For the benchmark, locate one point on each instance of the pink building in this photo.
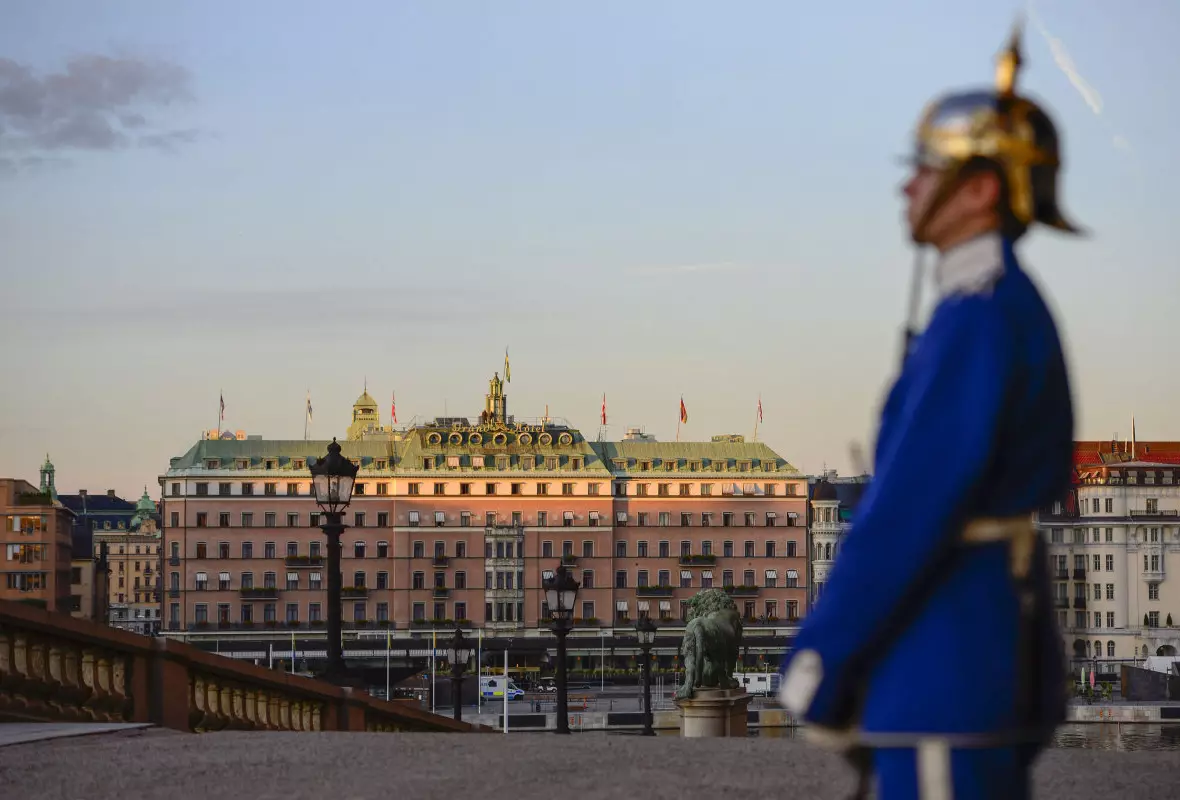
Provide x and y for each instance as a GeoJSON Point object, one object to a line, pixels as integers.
{"type": "Point", "coordinates": [459, 520]}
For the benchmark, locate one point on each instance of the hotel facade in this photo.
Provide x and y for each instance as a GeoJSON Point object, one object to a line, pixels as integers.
{"type": "Point", "coordinates": [457, 522]}
{"type": "Point", "coordinates": [1111, 542]}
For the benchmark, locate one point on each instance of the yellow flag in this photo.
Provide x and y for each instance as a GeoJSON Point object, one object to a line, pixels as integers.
{"type": "Point", "coordinates": [507, 369]}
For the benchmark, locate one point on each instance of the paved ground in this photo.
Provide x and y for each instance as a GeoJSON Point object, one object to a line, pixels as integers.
{"type": "Point", "coordinates": [24, 732]}
{"type": "Point", "coordinates": [293, 766]}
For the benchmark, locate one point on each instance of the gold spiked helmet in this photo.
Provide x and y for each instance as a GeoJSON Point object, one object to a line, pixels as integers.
{"type": "Point", "coordinates": [1004, 128]}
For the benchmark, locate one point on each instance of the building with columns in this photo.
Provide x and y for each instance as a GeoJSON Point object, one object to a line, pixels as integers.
{"type": "Point", "coordinates": [460, 519]}
{"type": "Point", "coordinates": [1110, 543]}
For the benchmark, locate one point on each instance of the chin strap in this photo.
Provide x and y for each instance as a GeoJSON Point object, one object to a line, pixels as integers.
{"type": "Point", "coordinates": [911, 326]}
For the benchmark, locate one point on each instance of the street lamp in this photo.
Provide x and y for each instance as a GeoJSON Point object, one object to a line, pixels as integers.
{"type": "Point", "coordinates": [458, 653]}
{"type": "Point", "coordinates": [645, 629]}
{"type": "Point", "coordinates": [561, 590]}
{"type": "Point", "coordinates": [331, 484]}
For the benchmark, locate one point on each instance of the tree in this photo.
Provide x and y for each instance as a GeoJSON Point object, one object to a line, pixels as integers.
{"type": "Point", "coordinates": [1169, 620]}
{"type": "Point", "coordinates": [1145, 622]}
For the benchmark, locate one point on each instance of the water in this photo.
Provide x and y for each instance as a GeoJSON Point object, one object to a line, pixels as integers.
{"type": "Point", "coordinates": [1112, 736]}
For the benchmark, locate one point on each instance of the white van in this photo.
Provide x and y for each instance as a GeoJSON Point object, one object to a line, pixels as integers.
{"type": "Point", "coordinates": [759, 683]}
{"type": "Point", "coordinates": [492, 687]}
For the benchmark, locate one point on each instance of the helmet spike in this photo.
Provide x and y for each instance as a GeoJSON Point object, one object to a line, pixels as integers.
{"type": "Point", "coordinates": [1009, 62]}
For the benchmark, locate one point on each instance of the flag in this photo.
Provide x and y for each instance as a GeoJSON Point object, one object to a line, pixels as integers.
{"type": "Point", "coordinates": [604, 409]}
{"type": "Point", "coordinates": [393, 406]}
{"type": "Point", "coordinates": [683, 411]}
{"type": "Point", "coordinates": [507, 369]}
{"type": "Point", "coordinates": [759, 408]}
{"type": "Point", "coordinates": [222, 406]}
{"type": "Point", "coordinates": [309, 417]}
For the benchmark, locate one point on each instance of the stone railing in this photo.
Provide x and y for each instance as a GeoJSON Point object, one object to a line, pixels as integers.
{"type": "Point", "coordinates": [54, 667]}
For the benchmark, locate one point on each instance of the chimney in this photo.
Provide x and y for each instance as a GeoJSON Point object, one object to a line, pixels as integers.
{"type": "Point", "coordinates": [110, 492]}
{"type": "Point", "coordinates": [81, 492]}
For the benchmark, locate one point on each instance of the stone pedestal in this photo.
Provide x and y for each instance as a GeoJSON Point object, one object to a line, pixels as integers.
{"type": "Point", "coordinates": [714, 712]}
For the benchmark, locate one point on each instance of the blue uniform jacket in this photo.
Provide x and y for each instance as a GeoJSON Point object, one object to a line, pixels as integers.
{"type": "Point", "coordinates": [978, 424]}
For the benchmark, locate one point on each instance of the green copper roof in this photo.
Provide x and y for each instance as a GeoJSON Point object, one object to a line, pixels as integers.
{"type": "Point", "coordinates": [682, 455]}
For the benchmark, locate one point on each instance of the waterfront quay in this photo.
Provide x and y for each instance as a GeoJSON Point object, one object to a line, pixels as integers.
{"type": "Point", "coordinates": [292, 766]}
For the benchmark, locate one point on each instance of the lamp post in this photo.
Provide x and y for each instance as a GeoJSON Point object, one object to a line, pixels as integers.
{"type": "Point", "coordinates": [561, 591]}
{"type": "Point", "coordinates": [458, 653]}
{"type": "Point", "coordinates": [645, 630]}
{"type": "Point", "coordinates": [331, 483]}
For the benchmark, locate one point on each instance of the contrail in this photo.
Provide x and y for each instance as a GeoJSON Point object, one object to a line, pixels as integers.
{"type": "Point", "coordinates": [1065, 63]}
{"type": "Point", "coordinates": [1090, 95]}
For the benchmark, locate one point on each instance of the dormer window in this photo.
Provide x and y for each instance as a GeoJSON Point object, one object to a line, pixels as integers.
{"type": "Point", "coordinates": [744, 466]}
{"type": "Point", "coordinates": [645, 465]}
{"type": "Point", "coordinates": [551, 462]}
{"type": "Point", "coordinates": [1149, 478]}
{"type": "Point", "coordinates": [381, 463]}
{"type": "Point", "coordinates": [243, 463]}
{"type": "Point", "coordinates": [271, 463]}
{"type": "Point", "coordinates": [212, 463]}
{"type": "Point", "coordinates": [694, 466]}
{"type": "Point", "coordinates": [1132, 477]}
{"type": "Point", "coordinates": [669, 464]}
{"type": "Point", "coordinates": [620, 463]}
{"type": "Point", "coordinates": [718, 466]}
{"type": "Point", "coordinates": [452, 462]}
{"type": "Point", "coordinates": [428, 462]}
{"type": "Point", "coordinates": [297, 463]}
{"type": "Point", "coordinates": [501, 462]}
{"type": "Point", "coordinates": [576, 462]}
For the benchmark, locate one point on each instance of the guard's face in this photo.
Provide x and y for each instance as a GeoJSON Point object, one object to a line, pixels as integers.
{"type": "Point", "coordinates": [919, 191]}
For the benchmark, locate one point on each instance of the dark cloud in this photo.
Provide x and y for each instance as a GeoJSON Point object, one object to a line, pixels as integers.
{"type": "Point", "coordinates": [97, 103]}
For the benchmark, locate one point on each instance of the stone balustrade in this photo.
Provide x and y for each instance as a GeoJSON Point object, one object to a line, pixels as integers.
{"type": "Point", "coordinates": [54, 667]}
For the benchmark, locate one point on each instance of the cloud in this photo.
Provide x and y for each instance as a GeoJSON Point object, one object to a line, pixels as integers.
{"type": "Point", "coordinates": [97, 103]}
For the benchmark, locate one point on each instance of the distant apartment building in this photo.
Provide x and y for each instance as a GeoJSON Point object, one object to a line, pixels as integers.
{"type": "Point", "coordinates": [36, 545]}
{"type": "Point", "coordinates": [125, 537]}
{"type": "Point", "coordinates": [1111, 541]}
{"type": "Point", "coordinates": [460, 519]}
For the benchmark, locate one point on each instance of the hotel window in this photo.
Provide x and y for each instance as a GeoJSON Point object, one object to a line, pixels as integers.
{"type": "Point", "coordinates": [222, 552]}
{"type": "Point", "coordinates": [247, 489]}
{"type": "Point", "coordinates": [792, 579]}
{"type": "Point", "coordinates": [770, 549]}
{"type": "Point", "coordinates": [292, 581]}
{"type": "Point", "coordinates": [592, 489]}
{"type": "Point", "coordinates": [223, 519]}
{"type": "Point", "coordinates": [358, 519]}
{"type": "Point", "coordinates": [383, 488]}
{"type": "Point", "coordinates": [414, 488]}
{"type": "Point", "coordinates": [202, 520]}
{"type": "Point", "coordinates": [621, 610]}
{"type": "Point", "coordinates": [358, 549]}
{"type": "Point", "coordinates": [706, 579]}
{"type": "Point", "coordinates": [771, 579]}
{"type": "Point", "coordinates": [664, 550]}
{"type": "Point", "coordinates": [748, 578]}
{"type": "Point", "coordinates": [567, 519]}
{"type": "Point", "coordinates": [413, 519]}
{"type": "Point", "coordinates": [382, 519]}
{"type": "Point", "coordinates": [223, 581]}
{"type": "Point", "coordinates": [665, 578]}
{"type": "Point", "coordinates": [292, 489]}
{"type": "Point", "coordinates": [201, 581]}
{"type": "Point", "coordinates": [247, 519]}
{"type": "Point", "coordinates": [440, 519]}
{"type": "Point", "coordinates": [685, 579]}
{"type": "Point", "coordinates": [268, 519]}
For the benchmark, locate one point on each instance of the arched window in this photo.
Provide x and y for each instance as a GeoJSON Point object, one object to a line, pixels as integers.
{"type": "Point", "coordinates": [828, 552]}
{"type": "Point", "coordinates": [1110, 649]}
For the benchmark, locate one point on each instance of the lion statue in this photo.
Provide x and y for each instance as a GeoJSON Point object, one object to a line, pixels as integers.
{"type": "Point", "coordinates": [711, 643]}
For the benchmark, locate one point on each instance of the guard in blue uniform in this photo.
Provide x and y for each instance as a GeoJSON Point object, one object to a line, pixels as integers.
{"type": "Point", "coordinates": [932, 658]}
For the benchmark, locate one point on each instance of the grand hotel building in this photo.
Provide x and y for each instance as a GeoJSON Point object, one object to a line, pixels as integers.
{"type": "Point", "coordinates": [458, 520]}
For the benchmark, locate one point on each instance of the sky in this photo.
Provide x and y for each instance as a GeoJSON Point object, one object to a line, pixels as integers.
{"type": "Point", "coordinates": [643, 200]}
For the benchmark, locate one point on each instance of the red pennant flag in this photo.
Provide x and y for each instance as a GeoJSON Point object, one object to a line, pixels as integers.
{"type": "Point", "coordinates": [393, 406]}
{"type": "Point", "coordinates": [683, 411]}
{"type": "Point", "coordinates": [759, 408]}
{"type": "Point", "coordinates": [604, 409]}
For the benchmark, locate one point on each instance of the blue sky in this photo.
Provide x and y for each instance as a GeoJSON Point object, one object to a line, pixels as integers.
{"type": "Point", "coordinates": [642, 199]}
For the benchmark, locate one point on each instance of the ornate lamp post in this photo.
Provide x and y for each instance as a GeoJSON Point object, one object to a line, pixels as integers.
{"type": "Point", "coordinates": [331, 483]}
{"type": "Point", "coordinates": [458, 653]}
{"type": "Point", "coordinates": [645, 629]}
{"type": "Point", "coordinates": [561, 591]}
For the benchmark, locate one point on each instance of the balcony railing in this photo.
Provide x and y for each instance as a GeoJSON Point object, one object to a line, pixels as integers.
{"type": "Point", "coordinates": [354, 592]}
{"type": "Point", "coordinates": [1079, 574]}
{"type": "Point", "coordinates": [1061, 574]}
{"type": "Point", "coordinates": [569, 559]}
{"type": "Point", "coordinates": [304, 561]}
{"type": "Point", "coordinates": [742, 591]}
{"type": "Point", "coordinates": [654, 591]}
{"type": "Point", "coordinates": [439, 561]}
{"type": "Point", "coordinates": [697, 560]}
{"type": "Point", "coordinates": [441, 592]}
{"type": "Point", "coordinates": [1079, 602]}
{"type": "Point", "coordinates": [1061, 602]}
{"type": "Point", "coordinates": [263, 592]}
{"type": "Point", "coordinates": [54, 667]}
{"type": "Point", "coordinates": [1152, 513]}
